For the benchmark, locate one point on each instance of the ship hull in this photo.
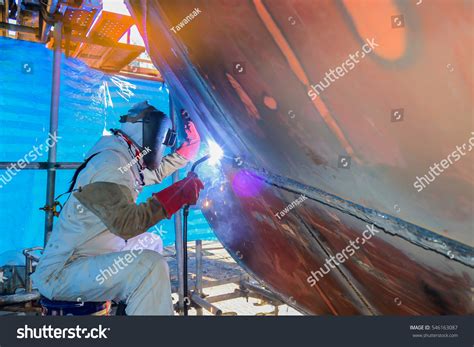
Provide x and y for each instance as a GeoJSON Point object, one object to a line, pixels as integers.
{"type": "Point", "coordinates": [335, 109]}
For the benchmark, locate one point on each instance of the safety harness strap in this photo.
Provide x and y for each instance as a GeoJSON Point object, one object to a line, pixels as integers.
{"type": "Point", "coordinates": [78, 171]}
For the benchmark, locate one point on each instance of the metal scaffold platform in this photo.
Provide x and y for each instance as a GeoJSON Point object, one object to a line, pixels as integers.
{"type": "Point", "coordinates": [101, 39]}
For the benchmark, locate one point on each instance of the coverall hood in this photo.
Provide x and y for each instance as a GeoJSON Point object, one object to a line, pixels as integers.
{"type": "Point", "coordinates": [135, 130]}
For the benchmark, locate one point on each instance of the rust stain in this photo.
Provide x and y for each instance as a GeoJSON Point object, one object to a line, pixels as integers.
{"type": "Point", "coordinates": [298, 70]}
{"type": "Point", "coordinates": [280, 40]}
{"type": "Point", "coordinates": [374, 19]}
{"type": "Point", "coordinates": [270, 102]}
{"type": "Point", "coordinates": [247, 101]}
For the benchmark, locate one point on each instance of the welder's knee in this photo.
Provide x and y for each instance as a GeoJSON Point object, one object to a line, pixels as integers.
{"type": "Point", "coordinates": [154, 262]}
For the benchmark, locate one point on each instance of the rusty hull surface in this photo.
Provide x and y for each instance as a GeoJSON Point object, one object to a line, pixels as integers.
{"type": "Point", "coordinates": [421, 261]}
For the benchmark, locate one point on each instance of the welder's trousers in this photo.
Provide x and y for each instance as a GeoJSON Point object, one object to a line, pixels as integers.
{"type": "Point", "coordinates": [140, 278]}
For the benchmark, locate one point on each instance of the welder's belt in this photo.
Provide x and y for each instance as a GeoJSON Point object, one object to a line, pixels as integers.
{"type": "Point", "coordinates": [114, 205]}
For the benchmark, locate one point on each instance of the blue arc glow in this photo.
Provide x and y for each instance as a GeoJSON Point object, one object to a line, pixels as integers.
{"type": "Point", "coordinates": [215, 152]}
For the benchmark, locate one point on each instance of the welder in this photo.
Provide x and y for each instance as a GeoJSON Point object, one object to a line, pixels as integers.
{"type": "Point", "coordinates": [101, 222]}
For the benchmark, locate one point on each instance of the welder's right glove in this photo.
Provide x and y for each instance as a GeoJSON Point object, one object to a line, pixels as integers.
{"type": "Point", "coordinates": [184, 192]}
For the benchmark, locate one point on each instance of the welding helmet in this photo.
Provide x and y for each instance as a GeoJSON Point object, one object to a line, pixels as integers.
{"type": "Point", "coordinates": [151, 130]}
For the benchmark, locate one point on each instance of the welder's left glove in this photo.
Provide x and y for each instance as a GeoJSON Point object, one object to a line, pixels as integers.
{"type": "Point", "coordinates": [190, 147]}
{"type": "Point", "coordinates": [184, 192]}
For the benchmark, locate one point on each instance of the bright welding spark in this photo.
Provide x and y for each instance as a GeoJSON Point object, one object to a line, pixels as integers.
{"type": "Point", "coordinates": [216, 153]}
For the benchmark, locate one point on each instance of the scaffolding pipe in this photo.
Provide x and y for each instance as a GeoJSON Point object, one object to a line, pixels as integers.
{"type": "Point", "coordinates": [53, 128]}
{"type": "Point", "coordinates": [41, 165]}
{"type": "Point", "coordinates": [178, 223]}
{"type": "Point", "coordinates": [198, 286]}
{"type": "Point", "coordinates": [19, 298]}
{"type": "Point", "coordinates": [196, 299]}
{"type": "Point", "coordinates": [185, 260]}
{"type": "Point", "coordinates": [52, 6]}
{"type": "Point", "coordinates": [18, 28]}
{"type": "Point", "coordinates": [5, 13]}
{"type": "Point", "coordinates": [46, 15]}
{"type": "Point", "coordinates": [199, 266]}
{"type": "Point", "coordinates": [29, 259]}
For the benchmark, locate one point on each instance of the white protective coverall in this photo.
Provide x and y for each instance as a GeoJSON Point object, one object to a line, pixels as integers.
{"type": "Point", "coordinates": [85, 261]}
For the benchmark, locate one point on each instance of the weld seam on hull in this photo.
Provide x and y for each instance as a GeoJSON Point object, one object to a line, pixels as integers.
{"type": "Point", "coordinates": [452, 249]}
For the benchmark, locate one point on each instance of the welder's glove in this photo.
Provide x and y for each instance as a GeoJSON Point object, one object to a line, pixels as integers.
{"type": "Point", "coordinates": [190, 147]}
{"type": "Point", "coordinates": [184, 192]}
